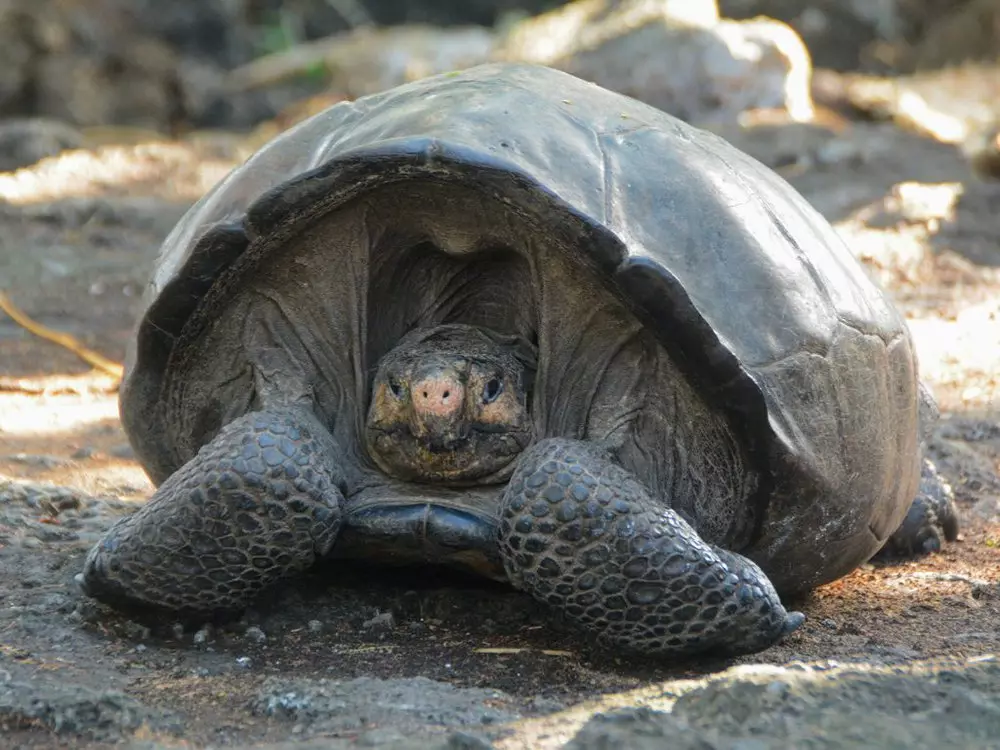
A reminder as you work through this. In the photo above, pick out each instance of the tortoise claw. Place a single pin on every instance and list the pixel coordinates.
(793, 622)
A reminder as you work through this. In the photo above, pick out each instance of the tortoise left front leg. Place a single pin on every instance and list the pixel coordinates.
(581, 533)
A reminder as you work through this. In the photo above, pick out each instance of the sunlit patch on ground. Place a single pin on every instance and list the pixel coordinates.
(68, 435)
(173, 171)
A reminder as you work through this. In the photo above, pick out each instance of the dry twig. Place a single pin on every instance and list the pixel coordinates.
(65, 340)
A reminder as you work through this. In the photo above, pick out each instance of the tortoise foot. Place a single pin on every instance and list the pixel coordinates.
(931, 519)
(256, 504)
(581, 533)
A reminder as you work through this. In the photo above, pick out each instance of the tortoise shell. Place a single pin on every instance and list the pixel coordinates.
(757, 299)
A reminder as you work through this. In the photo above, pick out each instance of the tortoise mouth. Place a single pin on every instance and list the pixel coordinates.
(445, 444)
(472, 457)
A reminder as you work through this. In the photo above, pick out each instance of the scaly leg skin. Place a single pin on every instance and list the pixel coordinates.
(582, 534)
(931, 517)
(259, 502)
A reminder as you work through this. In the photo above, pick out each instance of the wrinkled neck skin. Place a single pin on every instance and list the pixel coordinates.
(422, 255)
(450, 404)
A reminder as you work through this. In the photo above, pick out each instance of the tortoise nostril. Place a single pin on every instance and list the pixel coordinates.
(438, 394)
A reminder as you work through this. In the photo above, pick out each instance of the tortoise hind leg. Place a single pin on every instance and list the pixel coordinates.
(931, 518)
(259, 502)
(581, 533)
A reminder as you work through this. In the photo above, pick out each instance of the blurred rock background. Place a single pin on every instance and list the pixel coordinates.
(177, 66)
(86, 73)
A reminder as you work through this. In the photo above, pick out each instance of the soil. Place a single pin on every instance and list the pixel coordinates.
(892, 655)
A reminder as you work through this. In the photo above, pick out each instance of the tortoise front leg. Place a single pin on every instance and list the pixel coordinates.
(581, 533)
(259, 502)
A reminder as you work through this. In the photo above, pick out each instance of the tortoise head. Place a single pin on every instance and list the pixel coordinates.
(450, 404)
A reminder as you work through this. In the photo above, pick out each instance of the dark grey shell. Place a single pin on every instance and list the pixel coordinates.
(749, 287)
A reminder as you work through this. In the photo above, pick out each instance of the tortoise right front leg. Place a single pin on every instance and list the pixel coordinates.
(581, 533)
(259, 502)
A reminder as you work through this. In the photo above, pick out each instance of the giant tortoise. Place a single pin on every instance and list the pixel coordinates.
(507, 320)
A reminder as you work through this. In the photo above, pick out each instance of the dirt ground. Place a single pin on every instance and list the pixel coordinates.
(361, 658)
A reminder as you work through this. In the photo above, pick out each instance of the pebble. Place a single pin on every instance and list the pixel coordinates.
(381, 621)
(778, 688)
(203, 635)
(899, 651)
(255, 634)
(45, 462)
(315, 626)
(123, 450)
(988, 509)
(137, 631)
(466, 741)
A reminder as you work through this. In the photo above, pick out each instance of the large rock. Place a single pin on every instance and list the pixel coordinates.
(24, 141)
(678, 56)
(163, 65)
(886, 36)
(769, 708)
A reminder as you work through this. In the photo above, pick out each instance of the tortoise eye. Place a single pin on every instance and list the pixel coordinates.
(395, 387)
(492, 390)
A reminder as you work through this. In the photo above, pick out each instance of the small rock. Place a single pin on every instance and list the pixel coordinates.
(87, 610)
(988, 509)
(466, 741)
(381, 621)
(338, 706)
(986, 591)
(79, 713)
(255, 634)
(203, 635)
(315, 626)
(137, 632)
(778, 688)
(124, 450)
(25, 141)
(40, 461)
(542, 705)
